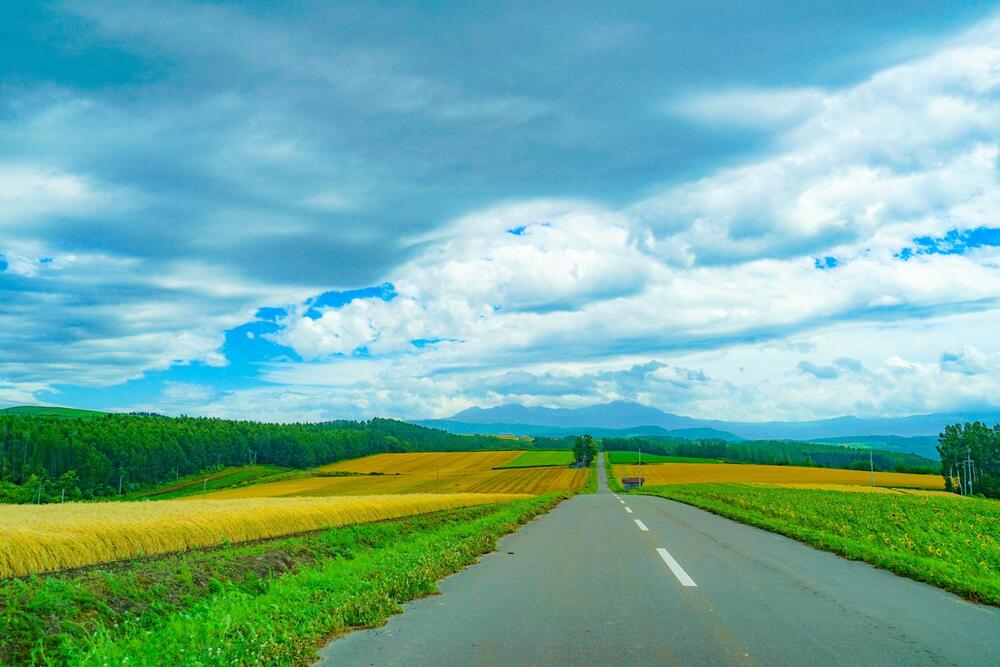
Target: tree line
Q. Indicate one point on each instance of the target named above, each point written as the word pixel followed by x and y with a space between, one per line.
pixel 45 458
pixel 970 458
pixel 777 452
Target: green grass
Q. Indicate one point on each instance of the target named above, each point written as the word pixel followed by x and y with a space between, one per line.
pixel 226 478
pixel 272 602
pixel 590 486
pixel 609 473
pixel 623 458
pixel 45 411
pixel 953 543
pixel 539 458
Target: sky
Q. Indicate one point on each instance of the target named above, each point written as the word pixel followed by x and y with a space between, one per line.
pixel 310 210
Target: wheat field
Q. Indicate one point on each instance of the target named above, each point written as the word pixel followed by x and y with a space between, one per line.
pixel 699 473
pixel 43 538
pixel 445 463
pixel 515 480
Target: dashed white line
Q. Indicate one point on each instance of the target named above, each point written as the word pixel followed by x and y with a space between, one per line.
pixel 676 568
pixel 629 510
pixel 641 525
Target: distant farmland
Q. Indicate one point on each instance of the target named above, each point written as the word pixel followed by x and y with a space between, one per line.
pixel 635 458
pixel 699 473
pixel 541 457
pixel 446 472
pixel 445 463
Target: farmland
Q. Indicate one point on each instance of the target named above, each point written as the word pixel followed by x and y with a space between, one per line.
pixel 424 472
pixel 949 542
pixel 213 481
pixel 425 463
pixel 52 537
pixel 623 458
pixel 697 473
pixel 265 602
pixel 519 480
pixel 541 457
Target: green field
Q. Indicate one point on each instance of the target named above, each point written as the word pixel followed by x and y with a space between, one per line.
pixel 227 478
pixel 45 411
pixel 270 602
pixel 541 458
pixel 953 543
pixel 625 458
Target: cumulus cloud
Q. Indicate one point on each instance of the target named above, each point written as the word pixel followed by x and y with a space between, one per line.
pixel 135 230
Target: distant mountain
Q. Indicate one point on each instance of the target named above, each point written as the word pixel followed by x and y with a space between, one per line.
pixel 630 417
pixel 469 428
pixel 616 415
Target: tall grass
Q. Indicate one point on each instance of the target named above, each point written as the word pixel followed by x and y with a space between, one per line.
pixel 53 537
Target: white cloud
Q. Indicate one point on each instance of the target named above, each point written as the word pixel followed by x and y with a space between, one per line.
pixel 702 298
pixel 750 108
pixel 724 260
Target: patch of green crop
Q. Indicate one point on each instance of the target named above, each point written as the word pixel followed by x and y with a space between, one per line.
pixel 270 602
pixel 541 458
pixel 216 480
pixel 953 543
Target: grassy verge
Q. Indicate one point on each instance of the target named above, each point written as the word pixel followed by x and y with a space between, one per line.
pixel 609 472
pixel 271 602
pixel 953 543
pixel 632 458
pixel 591 484
pixel 540 458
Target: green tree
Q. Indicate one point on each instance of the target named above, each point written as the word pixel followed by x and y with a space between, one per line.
pixel 979 442
pixel 585 449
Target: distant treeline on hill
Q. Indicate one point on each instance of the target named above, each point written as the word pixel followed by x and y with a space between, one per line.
pixel 41 456
pixel 777 452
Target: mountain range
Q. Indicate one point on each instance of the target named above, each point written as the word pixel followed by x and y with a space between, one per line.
pixel 621 418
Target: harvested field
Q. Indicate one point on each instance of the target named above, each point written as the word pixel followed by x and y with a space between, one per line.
pixel 542 457
pixel 516 480
pixel 699 473
pixel 444 463
pixel 53 537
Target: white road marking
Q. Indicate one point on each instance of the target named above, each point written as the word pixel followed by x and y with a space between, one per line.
pixel 676 568
pixel 621 501
pixel 641 525
pixel 629 510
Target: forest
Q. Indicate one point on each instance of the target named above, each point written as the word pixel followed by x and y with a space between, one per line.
pixel 777 452
pixel 45 457
pixel 970 458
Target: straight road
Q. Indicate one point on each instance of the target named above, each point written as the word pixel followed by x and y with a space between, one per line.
pixel 640 580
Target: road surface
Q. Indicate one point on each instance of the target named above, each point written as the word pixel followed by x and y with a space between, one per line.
pixel 603 580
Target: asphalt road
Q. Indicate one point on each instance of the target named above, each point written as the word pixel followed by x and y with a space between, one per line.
pixel 587 585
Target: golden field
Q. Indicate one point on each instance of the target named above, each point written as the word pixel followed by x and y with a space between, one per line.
pixel 699 473
pixel 424 472
pixel 42 538
pixel 445 463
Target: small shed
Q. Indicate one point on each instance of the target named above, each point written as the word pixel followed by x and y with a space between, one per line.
pixel 629 483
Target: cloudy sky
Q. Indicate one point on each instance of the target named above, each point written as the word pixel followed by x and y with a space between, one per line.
pixel 347 210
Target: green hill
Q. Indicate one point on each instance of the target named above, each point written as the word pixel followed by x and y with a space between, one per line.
pixel 50 411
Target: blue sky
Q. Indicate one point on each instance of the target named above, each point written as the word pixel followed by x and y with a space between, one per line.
pixel 311 211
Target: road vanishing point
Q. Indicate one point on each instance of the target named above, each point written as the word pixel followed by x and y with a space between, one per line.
pixel 638 580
